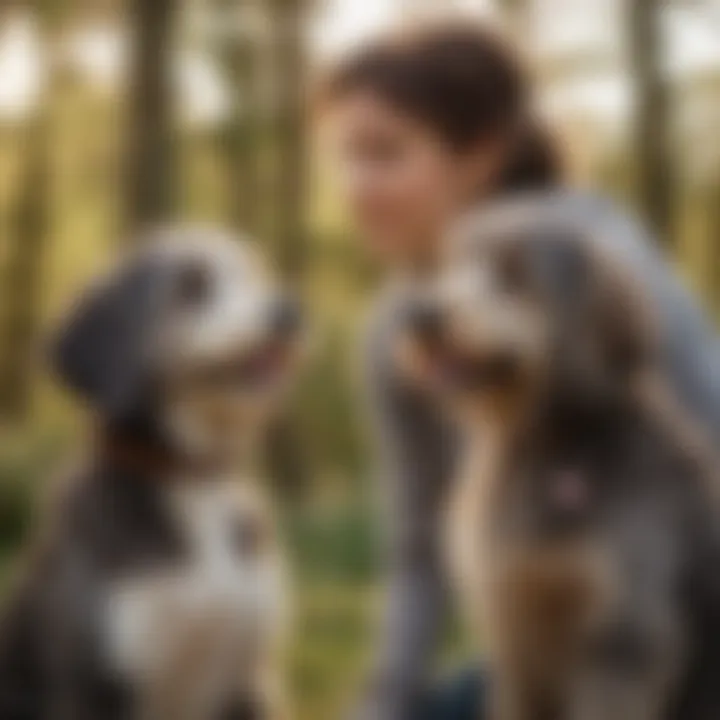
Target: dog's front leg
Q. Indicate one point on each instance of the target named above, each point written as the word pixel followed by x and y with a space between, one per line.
pixel 513 697
pixel 23 684
pixel 614 696
pixel 633 682
pixel 259 695
pixel 246 708
pixel 511 703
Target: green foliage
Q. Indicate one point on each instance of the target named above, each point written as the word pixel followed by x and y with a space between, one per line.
pixel 334 633
pixel 334 541
pixel 25 464
pixel 15 509
pixel 335 555
pixel 329 426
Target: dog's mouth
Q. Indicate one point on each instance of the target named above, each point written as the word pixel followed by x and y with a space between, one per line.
pixel 478 371
pixel 437 351
pixel 261 367
pixel 264 365
pixel 451 366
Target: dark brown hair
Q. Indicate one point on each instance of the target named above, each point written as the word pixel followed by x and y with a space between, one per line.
pixel 467 84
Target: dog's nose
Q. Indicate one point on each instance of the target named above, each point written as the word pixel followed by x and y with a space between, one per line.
pixel 425 320
pixel 286 318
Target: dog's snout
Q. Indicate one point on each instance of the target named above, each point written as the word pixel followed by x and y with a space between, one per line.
pixel 286 317
pixel 425 320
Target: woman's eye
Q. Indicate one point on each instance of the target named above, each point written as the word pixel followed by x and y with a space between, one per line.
pixel 375 150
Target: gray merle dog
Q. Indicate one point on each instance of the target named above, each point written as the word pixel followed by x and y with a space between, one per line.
pixel 585 524
pixel 155 590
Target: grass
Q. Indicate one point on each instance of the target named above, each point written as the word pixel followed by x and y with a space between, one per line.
pixel 333 634
pixel 334 557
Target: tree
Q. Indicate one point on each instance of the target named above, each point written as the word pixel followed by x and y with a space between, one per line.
pixel 651 137
pixel 151 172
pixel 291 172
pixel 30 229
pixel 286 459
pixel 239 54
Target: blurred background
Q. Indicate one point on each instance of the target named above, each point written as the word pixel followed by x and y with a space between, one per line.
pixel 116 113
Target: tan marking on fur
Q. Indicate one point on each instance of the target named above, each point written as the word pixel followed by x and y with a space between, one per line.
pixel 529 604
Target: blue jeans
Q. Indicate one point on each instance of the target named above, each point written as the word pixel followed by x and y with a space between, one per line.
pixel 463 697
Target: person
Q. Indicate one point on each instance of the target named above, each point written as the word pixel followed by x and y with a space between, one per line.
pixel 428 123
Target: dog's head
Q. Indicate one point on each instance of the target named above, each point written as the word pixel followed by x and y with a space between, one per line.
pixel 190 336
pixel 526 304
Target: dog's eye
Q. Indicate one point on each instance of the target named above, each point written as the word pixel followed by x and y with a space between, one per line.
pixel 193 284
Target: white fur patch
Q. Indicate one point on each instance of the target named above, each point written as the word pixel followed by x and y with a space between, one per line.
pixel 198 632
pixel 236 315
pixel 236 312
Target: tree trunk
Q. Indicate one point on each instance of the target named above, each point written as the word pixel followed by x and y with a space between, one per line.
pixel 286 459
pixel 241 140
pixel 652 121
pixel 30 223
pixel 151 173
pixel 240 134
pixel 713 241
pixel 30 228
pixel 291 172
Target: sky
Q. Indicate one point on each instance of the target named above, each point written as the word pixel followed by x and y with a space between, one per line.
pixel 342 23
pixel 561 29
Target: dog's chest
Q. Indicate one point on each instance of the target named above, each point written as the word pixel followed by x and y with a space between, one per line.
pixel 198 625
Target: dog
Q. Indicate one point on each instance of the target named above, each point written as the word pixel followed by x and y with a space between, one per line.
pixel 156 589
pixel 584 529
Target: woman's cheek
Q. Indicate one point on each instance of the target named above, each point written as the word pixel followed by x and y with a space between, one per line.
pixel 398 206
pixel 427 203
pixel 381 209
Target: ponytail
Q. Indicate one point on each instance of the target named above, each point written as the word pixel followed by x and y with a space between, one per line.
pixel 534 160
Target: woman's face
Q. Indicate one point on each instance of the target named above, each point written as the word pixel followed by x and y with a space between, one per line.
pixel 401 182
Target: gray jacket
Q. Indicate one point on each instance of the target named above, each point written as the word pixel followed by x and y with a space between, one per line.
pixel 418 448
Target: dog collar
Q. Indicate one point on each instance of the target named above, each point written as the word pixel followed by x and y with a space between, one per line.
pixel 152 459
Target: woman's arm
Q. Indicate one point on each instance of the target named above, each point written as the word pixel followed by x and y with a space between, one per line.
pixel 416 451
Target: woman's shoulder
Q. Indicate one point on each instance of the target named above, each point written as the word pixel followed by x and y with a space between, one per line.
pixel 602 221
pixel 591 209
pixel 571 203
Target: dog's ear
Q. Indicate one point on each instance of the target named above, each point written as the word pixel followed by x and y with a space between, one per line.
pixel 560 266
pixel 604 323
pixel 101 351
pixel 626 326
